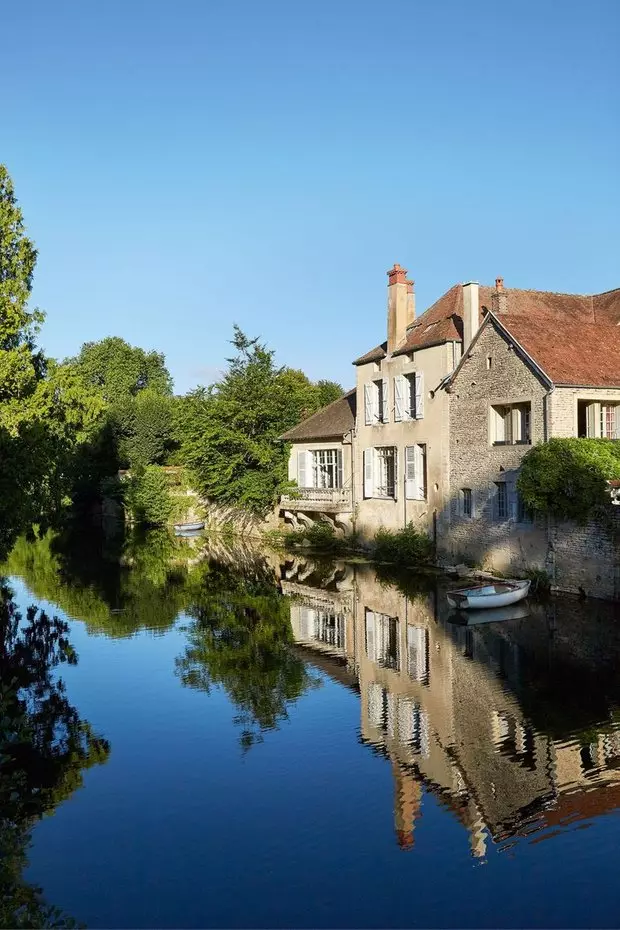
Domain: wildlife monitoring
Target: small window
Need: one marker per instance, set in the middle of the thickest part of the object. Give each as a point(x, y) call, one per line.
point(466, 501)
point(511, 424)
point(501, 501)
point(489, 362)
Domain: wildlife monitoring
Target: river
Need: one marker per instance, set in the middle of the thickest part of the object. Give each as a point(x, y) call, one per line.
point(214, 736)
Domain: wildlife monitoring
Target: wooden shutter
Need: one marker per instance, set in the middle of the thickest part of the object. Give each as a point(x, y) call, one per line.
point(339, 477)
point(395, 472)
point(368, 472)
point(420, 462)
point(304, 469)
point(410, 483)
point(399, 398)
point(419, 395)
point(386, 411)
point(617, 421)
point(371, 641)
point(368, 404)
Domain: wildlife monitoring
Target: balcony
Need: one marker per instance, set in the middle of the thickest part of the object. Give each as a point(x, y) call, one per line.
point(325, 500)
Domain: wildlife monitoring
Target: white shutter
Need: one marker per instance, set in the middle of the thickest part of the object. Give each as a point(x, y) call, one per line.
point(395, 472)
point(375, 705)
point(617, 422)
point(339, 472)
point(368, 405)
point(368, 472)
point(386, 411)
point(304, 623)
point(399, 398)
point(420, 488)
point(419, 395)
point(410, 484)
point(304, 469)
point(371, 641)
point(417, 653)
point(391, 714)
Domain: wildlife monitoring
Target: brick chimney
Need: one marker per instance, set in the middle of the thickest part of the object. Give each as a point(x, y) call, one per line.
point(499, 298)
point(397, 308)
point(410, 302)
point(471, 300)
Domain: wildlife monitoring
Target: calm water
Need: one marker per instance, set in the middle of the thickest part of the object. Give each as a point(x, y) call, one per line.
point(242, 742)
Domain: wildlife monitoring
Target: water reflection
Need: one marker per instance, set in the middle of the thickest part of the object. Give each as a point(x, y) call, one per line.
point(513, 726)
point(45, 746)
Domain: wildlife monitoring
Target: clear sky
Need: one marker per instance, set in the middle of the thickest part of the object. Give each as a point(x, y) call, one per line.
point(187, 164)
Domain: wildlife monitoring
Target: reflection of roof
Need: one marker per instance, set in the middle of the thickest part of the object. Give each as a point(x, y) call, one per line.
point(331, 422)
point(571, 337)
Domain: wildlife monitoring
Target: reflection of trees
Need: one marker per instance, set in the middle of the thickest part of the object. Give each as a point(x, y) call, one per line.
point(44, 748)
point(239, 641)
point(115, 585)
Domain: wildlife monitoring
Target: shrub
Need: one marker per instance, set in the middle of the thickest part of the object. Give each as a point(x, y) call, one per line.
point(320, 537)
point(148, 497)
point(402, 547)
point(566, 478)
point(541, 582)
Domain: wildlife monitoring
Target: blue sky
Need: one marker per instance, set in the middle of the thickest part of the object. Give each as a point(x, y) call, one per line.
point(186, 165)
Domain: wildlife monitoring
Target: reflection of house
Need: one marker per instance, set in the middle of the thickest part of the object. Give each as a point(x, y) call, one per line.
point(446, 704)
point(443, 413)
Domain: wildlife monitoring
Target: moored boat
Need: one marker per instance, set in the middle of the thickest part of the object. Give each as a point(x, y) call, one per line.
point(188, 527)
point(491, 615)
point(483, 596)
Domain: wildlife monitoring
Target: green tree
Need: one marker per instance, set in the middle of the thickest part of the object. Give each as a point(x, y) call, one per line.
point(328, 392)
point(567, 478)
point(148, 497)
point(120, 370)
point(229, 433)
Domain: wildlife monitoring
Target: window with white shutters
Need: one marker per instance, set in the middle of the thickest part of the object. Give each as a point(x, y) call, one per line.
point(383, 639)
point(415, 472)
point(380, 472)
point(409, 397)
point(319, 468)
point(511, 424)
point(376, 402)
point(417, 653)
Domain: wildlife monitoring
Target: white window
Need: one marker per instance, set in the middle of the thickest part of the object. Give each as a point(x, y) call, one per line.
point(319, 468)
point(610, 417)
point(467, 502)
point(380, 467)
point(376, 402)
point(596, 419)
point(409, 397)
point(511, 424)
point(383, 639)
point(415, 472)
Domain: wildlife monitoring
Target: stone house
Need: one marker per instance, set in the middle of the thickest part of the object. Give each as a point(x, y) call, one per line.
point(444, 411)
point(540, 365)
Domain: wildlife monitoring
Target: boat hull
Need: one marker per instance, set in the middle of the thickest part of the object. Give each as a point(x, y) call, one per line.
point(489, 596)
point(494, 615)
point(188, 527)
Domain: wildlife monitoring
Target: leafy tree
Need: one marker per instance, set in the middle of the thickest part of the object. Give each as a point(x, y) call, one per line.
point(567, 478)
point(120, 370)
point(143, 428)
point(229, 433)
point(327, 392)
point(148, 497)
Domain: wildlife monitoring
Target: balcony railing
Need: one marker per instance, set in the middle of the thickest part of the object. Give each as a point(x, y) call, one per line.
point(317, 497)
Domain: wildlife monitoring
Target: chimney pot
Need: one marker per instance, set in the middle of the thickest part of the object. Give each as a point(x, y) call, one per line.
point(397, 274)
point(400, 306)
point(499, 284)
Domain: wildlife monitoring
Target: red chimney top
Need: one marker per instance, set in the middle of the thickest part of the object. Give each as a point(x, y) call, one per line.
point(397, 275)
point(405, 838)
point(410, 285)
point(499, 284)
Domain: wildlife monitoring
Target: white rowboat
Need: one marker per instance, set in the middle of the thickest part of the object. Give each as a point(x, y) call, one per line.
point(499, 594)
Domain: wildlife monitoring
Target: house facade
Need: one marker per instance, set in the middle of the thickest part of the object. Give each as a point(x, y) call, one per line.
point(444, 411)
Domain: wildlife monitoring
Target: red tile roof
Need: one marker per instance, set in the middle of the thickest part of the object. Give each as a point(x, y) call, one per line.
point(571, 337)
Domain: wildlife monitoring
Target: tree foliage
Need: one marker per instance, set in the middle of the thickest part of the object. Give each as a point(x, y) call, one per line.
point(120, 370)
point(229, 433)
point(148, 497)
point(567, 478)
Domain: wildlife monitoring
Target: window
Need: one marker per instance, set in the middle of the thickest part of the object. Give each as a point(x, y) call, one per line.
point(511, 424)
point(523, 514)
point(383, 639)
point(489, 362)
point(375, 402)
point(322, 626)
point(319, 468)
point(380, 465)
point(598, 419)
point(501, 500)
point(466, 502)
point(415, 472)
point(409, 397)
